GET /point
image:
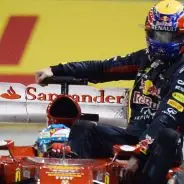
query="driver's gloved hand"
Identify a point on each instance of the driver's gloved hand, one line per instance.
(57, 150)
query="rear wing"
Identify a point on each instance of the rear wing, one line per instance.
(28, 104)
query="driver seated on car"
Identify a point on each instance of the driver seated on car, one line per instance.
(157, 99)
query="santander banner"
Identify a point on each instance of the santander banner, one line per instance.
(20, 103)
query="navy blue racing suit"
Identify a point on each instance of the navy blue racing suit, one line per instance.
(157, 101)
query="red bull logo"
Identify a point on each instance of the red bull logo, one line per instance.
(149, 88)
(165, 19)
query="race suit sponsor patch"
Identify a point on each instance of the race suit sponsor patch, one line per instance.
(179, 88)
(180, 82)
(163, 28)
(139, 98)
(170, 112)
(146, 113)
(143, 145)
(178, 96)
(175, 104)
(149, 88)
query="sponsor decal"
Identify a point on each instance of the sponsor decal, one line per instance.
(37, 99)
(11, 94)
(64, 175)
(52, 131)
(179, 88)
(156, 64)
(178, 96)
(17, 175)
(163, 27)
(143, 145)
(175, 105)
(166, 19)
(63, 167)
(163, 23)
(32, 94)
(149, 88)
(84, 98)
(170, 112)
(139, 98)
(64, 178)
(146, 113)
(64, 172)
(180, 82)
(107, 178)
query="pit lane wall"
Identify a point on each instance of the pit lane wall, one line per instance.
(20, 103)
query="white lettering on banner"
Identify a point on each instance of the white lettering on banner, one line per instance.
(32, 95)
(139, 98)
(10, 92)
(30, 102)
(180, 82)
(85, 98)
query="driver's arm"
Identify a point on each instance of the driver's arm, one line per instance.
(118, 68)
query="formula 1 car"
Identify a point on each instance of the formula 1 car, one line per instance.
(32, 165)
(24, 166)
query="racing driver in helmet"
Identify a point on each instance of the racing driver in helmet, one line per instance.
(157, 99)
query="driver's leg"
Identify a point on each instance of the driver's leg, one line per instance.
(92, 140)
(163, 153)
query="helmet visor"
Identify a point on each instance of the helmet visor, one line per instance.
(165, 36)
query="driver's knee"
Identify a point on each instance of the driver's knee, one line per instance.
(82, 139)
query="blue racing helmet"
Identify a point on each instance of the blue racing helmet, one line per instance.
(165, 30)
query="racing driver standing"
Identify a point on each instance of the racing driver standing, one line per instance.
(157, 100)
